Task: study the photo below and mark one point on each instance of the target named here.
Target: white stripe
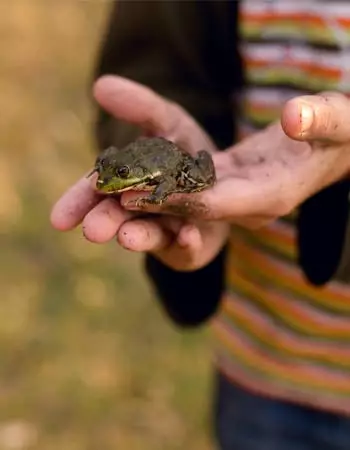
(270, 96)
(280, 6)
(296, 54)
(337, 9)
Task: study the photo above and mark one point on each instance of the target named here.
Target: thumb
(134, 103)
(323, 117)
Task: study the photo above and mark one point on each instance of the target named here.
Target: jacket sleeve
(187, 52)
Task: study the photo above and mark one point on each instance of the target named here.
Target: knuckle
(283, 207)
(326, 121)
(176, 109)
(329, 114)
(328, 95)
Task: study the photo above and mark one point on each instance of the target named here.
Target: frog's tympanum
(156, 165)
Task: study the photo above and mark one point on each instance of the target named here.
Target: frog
(155, 165)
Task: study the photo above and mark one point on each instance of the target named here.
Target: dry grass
(87, 360)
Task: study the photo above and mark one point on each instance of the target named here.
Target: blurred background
(87, 359)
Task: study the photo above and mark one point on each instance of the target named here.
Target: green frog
(153, 164)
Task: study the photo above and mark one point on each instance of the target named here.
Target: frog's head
(120, 171)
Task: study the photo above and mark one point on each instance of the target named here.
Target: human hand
(271, 173)
(180, 243)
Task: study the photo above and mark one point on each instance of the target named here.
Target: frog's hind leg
(206, 170)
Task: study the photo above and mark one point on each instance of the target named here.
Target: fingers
(152, 235)
(187, 205)
(317, 117)
(102, 223)
(134, 103)
(71, 208)
(245, 201)
(228, 194)
(137, 104)
(148, 235)
(190, 238)
(156, 234)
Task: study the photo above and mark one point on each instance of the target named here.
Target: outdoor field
(88, 359)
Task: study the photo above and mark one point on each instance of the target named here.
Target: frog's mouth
(116, 187)
(109, 184)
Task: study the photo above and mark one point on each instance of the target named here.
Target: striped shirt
(277, 334)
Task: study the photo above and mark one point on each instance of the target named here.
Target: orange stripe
(265, 115)
(257, 108)
(302, 19)
(278, 236)
(311, 322)
(238, 375)
(271, 242)
(343, 21)
(299, 375)
(309, 68)
(335, 295)
(274, 16)
(280, 339)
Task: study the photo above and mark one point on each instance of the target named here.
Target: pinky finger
(190, 237)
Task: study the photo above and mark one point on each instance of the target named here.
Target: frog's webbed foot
(159, 194)
(151, 199)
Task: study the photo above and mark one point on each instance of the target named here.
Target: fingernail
(306, 118)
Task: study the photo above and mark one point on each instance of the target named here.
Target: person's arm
(189, 298)
(185, 51)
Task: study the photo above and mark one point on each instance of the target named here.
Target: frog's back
(156, 152)
(152, 146)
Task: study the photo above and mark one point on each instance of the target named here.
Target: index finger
(137, 104)
(75, 203)
(132, 102)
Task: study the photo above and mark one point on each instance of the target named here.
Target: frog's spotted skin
(154, 164)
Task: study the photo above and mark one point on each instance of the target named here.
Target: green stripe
(278, 353)
(265, 248)
(315, 35)
(270, 312)
(294, 79)
(257, 374)
(258, 275)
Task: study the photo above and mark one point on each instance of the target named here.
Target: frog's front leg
(165, 187)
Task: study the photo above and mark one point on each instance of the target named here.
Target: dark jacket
(187, 52)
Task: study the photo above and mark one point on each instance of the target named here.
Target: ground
(88, 360)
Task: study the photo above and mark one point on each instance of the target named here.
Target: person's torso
(279, 334)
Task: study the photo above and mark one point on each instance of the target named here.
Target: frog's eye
(100, 162)
(123, 171)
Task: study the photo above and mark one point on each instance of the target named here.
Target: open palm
(260, 179)
(182, 243)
